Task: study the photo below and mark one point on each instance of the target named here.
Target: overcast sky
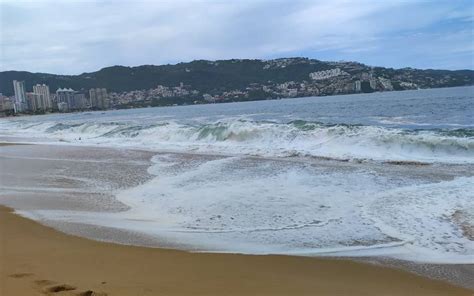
(71, 37)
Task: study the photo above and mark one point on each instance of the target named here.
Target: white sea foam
(234, 204)
(424, 215)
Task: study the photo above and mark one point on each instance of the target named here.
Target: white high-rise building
(65, 97)
(20, 96)
(42, 90)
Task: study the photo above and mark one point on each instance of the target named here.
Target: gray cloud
(71, 37)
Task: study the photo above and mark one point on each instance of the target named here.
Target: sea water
(359, 175)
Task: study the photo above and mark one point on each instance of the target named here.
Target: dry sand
(38, 260)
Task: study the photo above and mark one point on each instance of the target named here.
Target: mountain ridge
(221, 76)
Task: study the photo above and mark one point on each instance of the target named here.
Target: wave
(263, 138)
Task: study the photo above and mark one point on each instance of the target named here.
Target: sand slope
(37, 260)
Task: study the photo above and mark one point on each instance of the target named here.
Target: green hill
(223, 75)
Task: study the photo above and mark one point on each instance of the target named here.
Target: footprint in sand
(91, 293)
(51, 287)
(20, 275)
(59, 288)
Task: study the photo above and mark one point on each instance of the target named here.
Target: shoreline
(453, 273)
(39, 259)
(244, 101)
(434, 271)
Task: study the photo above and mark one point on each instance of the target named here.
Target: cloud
(71, 37)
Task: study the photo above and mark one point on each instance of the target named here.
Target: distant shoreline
(232, 102)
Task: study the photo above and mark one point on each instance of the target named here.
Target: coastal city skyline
(198, 82)
(41, 101)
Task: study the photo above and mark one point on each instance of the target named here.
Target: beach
(39, 260)
(363, 194)
(175, 148)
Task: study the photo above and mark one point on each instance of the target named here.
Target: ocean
(381, 174)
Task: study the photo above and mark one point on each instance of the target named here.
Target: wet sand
(38, 260)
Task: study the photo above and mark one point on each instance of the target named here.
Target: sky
(72, 37)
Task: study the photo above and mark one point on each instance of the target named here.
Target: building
(34, 101)
(68, 99)
(65, 97)
(321, 75)
(98, 98)
(373, 83)
(54, 102)
(42, 90)
(6, 106)
(292, 92)
(208, 98)
(20, 96)
(80, 102)
(62, 107)
(357, 86)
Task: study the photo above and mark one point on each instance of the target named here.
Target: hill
(245, 79)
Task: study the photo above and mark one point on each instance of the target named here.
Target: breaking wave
(265, 138)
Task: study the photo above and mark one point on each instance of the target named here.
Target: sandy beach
(40, 260)
(37, 260)
(224, 148)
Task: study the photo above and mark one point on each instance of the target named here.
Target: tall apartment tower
(42, 91)
(20, 96)
(98, 98)
(34, 102)
(65, 99)
(80, 101)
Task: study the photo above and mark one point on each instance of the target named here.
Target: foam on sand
(245, 205)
